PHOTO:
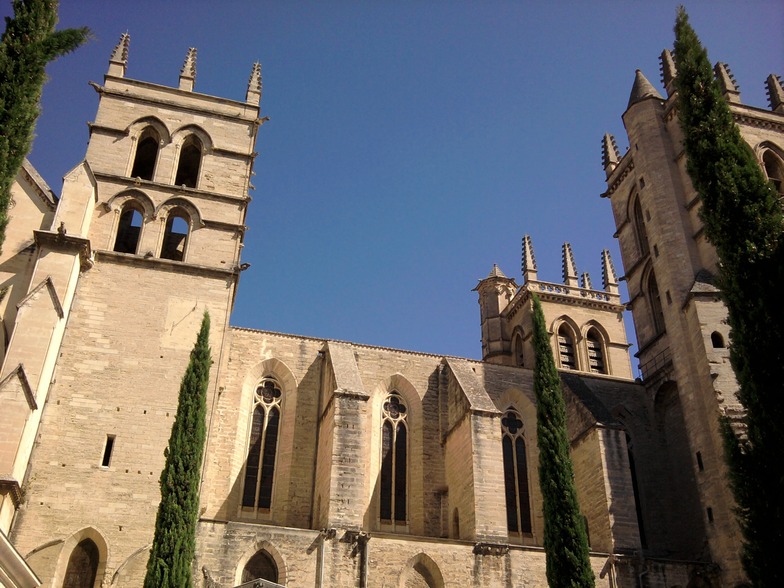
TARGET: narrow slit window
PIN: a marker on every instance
(107, 451)
(639, 228)
(657, 315)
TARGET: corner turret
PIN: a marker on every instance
(495, 293)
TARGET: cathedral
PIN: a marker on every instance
(331, 463)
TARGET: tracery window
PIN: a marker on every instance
(175, 235)
(394, 457)
(190, 162)
(129, 229)
(566, 348)
(596, 362)
(262, 446)
(260, 567)
(146, 155)
(518, 503)
(82, 565)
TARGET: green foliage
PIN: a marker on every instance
(27, 45)
(565, 540)
(743, 219)
(174, 543)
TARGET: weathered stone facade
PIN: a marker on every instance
(338, 464)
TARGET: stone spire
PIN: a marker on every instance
(609, 277)
(253, 95)
(188, 71)
(610, 154)
(569, 267)
(119, 59)
(496, 272)
(775, 93)
(585, 281)
(668, 71)
(729, 86)
(529, 260)
(641, 90)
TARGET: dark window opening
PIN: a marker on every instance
(456, 524)
(394, 461)
(146, 155)
(518, 502)
(717, 340)
(710, 514)
(107, 451)
(518, 351)
(175, 237)
(639, 229)
(190, 161)
(774, 168)
(260, 567)
(128, 231)
(595, 353)
(566, 348)
(655, 304)
(82, 566)
(262, 447)
(636, 492)
(700, 465)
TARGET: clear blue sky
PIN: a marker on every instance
(411, 144)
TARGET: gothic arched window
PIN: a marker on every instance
(82, 565)
(518, 504)
(146, 155)
(260, 567)
(774, 168)
(596, 362)
(262, 446)
(517, 350)
(394, 466)
(639, 228)
(566, 348)
(175, 235)
(129, 229)
(190, 162)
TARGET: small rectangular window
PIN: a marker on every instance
(107, 451)
(710, 514)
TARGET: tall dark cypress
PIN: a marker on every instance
(27, 45)
(174, 543)
(565, 539)
(743, 219)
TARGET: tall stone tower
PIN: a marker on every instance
(146, 237)
(679, 318)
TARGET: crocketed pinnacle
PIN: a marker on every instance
(253, 95)
(120, 53)
(642, 89)
(610, 154)
(729, 87)
(529, 259)
(775, 93)
(569, 267)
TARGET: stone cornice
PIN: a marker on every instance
(574, 295)
(182, 267)
(138, 184)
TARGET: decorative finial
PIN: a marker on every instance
(610, 154)
(569, 267)
(775, 93)
(585, 281)
(668, 71)
(119, 59)
(609, 277)
(188, 71)
(729, 86)
(253, 95)
(529, 260)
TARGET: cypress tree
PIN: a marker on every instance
(174, 542)
(565, 539)
(27, 45)
(743, 219)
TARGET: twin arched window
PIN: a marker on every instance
(594, 344)
(262, 447)
(175, 234)
(394, 458)
(146, 157)
(518, 502)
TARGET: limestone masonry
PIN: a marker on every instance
(331, 463)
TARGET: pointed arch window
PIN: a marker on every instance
(260, 567)
(175, 235)
(146, 154)
(657, 315)
(190, 162)
(518, 502)
(82, 565)
(262, 446)
(394, 460)
(517, 350)
(596, 362)
(566, 348)
(639, 228)
(774, 168)
(129, 229)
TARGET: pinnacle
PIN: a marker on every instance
(642, 89)
(189, 67)
(610, 154)
(120, 53)
(253, 94)
(496, 272)
(775, 93)
(529, 259)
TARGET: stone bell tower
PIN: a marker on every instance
(147, 236)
